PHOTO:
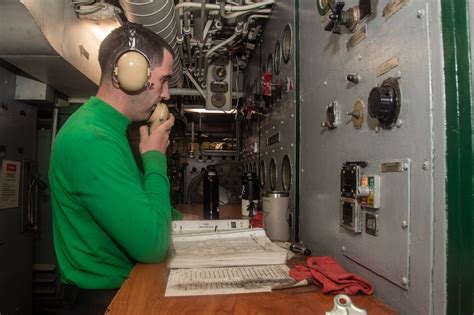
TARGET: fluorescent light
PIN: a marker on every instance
(208, 111)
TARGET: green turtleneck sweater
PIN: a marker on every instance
(107, 214)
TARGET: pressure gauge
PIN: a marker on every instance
(323, 6)
(286, 43)
(273, 174)
(277, 58)
(270, 63)
(286, 173)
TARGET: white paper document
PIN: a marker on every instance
(9, 184)
(225, 249)
(226, 280)
(206, 226)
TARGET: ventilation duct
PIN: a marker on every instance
(160, 17)
(46, 40)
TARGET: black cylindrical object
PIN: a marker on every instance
(211, 194)
(250, 186)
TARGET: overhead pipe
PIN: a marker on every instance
(237, 14)
(187, 38)
(227, 7)
(195, 92)
(203, 19)
(160, 17)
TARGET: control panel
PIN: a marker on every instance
(219, 84)
(358, 191)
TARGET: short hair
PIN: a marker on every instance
(117, 43)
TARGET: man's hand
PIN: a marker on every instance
(158, 139)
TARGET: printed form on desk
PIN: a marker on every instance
(226, 280)
(227, 262)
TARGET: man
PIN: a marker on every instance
(107, 214)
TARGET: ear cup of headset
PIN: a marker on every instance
(132, 71)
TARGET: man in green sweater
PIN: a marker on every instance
(107, 214)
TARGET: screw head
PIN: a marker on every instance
(425, 165)
(404, 224)
(377, 129)
(420, 13)
(343, 248)
(399, 123)
(405, 281)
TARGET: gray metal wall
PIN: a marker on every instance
(282, 116)
(406, 261)
(18, 136)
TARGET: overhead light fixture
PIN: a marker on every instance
(208, 111)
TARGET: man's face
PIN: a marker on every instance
(146, 101)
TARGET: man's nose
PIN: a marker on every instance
(165, 93)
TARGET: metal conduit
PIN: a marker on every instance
(160, 17)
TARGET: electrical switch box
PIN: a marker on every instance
(368, 191)
(351, 215)
(219, 84)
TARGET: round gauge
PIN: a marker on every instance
(270, 63)
(219, 73)
(262, 174)
(323, 6)
(273, 174)
(277, 58)
(286, 173)
(286, 43)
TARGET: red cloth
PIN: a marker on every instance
(328, 274)
(257, 220)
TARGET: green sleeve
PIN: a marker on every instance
(135, 213)
(176, 215)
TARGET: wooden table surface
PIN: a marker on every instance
(143, 293)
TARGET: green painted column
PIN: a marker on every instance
(460, 177)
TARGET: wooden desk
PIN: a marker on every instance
(143, 293)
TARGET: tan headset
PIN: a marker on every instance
(132, 67)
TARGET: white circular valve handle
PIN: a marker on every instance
(159, 116)
(343, 306)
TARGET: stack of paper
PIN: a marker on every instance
(226, 280)
(225, 249)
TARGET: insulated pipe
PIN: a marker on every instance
(160, 17)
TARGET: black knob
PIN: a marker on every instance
(384, 104)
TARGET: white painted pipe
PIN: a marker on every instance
(228, 7)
